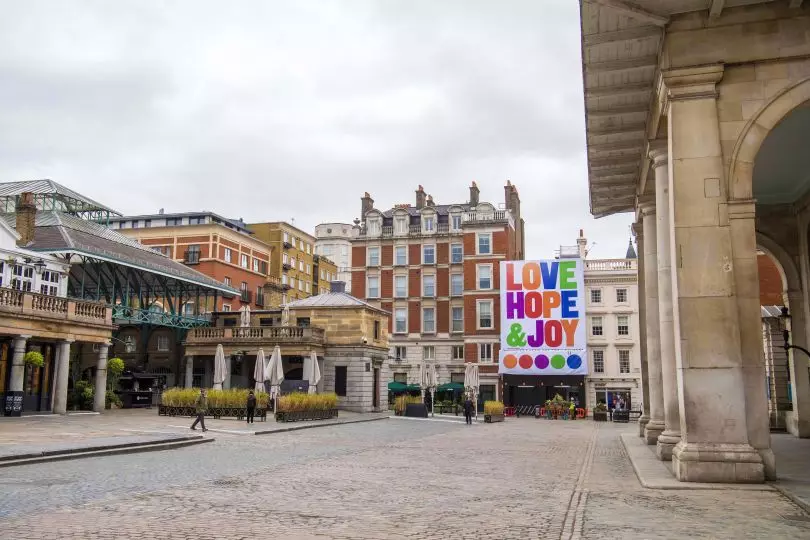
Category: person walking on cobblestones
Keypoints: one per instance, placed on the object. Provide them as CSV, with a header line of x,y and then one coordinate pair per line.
x,y
251,407
202,408
468,410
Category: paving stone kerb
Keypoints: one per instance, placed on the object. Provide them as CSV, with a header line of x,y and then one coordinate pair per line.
x,y
297,426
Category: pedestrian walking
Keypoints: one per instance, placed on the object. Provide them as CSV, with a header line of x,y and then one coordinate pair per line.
x,y
573,412
202,408
251,407
468,410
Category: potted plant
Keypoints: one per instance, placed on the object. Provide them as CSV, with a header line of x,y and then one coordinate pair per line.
x,y
600,412
493,412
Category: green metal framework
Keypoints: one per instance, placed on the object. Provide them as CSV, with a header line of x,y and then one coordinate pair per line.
x,y
62,203
140,297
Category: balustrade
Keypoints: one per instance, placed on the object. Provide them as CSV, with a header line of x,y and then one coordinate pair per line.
x,y
53,307
611,264
280,334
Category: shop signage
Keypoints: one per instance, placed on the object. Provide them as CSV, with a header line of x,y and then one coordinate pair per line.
x,y
543,318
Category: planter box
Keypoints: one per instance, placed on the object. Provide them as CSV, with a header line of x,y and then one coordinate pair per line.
x,y
216,412
600,416
491,418
298,416
621,416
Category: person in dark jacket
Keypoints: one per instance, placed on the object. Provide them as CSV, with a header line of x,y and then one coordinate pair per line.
x,y
468,410
251,407
201,408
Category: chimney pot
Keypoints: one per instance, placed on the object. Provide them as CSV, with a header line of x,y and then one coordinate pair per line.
x,y
420,197
474,193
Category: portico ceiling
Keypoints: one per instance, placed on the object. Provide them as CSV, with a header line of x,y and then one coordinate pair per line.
x,y
621,43
782,166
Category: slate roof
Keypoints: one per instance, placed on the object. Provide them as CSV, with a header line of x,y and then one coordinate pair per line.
x,y
631,251
57,232
49,187
332,299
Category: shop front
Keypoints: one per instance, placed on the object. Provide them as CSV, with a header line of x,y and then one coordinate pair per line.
x,y
525,392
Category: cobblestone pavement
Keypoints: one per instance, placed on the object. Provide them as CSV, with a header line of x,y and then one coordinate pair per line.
x,y
522,479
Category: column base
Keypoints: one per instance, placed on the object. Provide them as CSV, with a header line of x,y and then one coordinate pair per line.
x,y
666,444
643,420
717,463
652,431
769,462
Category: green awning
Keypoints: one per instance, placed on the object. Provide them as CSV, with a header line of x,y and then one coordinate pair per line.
x,y
446,387
395,386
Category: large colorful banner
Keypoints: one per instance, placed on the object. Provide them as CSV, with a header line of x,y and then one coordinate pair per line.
x,y
543,318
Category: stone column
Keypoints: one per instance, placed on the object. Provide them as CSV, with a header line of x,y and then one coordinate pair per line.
x,y
672,429
642,317
100,392
61,377
228,362
798,420
712,387
189,371
655,425
17,381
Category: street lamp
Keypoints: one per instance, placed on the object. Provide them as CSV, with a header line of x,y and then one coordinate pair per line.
x,y
783,324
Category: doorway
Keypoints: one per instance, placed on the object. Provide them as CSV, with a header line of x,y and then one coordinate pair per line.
x,y
375,392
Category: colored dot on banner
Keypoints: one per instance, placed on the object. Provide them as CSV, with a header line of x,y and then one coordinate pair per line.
x,y
574,361
526,361
558,361
509,361
541,361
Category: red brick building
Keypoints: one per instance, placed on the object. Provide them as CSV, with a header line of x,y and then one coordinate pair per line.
x,y
436,269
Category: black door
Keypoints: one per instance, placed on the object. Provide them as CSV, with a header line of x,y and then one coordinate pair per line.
x,y
375,393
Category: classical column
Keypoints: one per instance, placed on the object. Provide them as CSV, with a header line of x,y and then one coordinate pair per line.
x,y
798,420
642,317
228,363
655,425
61,376
100,392
189,371
672,428
17,381
712,385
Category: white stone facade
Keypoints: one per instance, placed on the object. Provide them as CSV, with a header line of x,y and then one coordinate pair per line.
x,y
333,241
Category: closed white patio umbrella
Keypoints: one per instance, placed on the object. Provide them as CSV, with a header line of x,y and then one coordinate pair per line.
x,y
313,372
471,383
259,370
275,374
219,368
432,382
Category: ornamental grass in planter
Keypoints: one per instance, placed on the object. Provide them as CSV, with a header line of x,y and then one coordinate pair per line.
x,y
222,402
401,403
493,411
301,406
600,413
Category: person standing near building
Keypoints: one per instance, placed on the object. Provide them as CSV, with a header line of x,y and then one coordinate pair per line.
x,y
201,408
573,410
251,407
468,410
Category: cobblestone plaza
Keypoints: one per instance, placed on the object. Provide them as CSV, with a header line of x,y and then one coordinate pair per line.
x,y
393,478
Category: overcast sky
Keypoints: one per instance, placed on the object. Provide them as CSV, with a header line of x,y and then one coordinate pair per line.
x,y
271,110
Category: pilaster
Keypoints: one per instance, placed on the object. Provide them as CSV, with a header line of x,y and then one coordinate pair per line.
x,y
189,371
61,376
16,380
638,232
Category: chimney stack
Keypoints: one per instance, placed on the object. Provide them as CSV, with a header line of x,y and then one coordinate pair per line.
x,y
420,197
582,244
474,192
366,205
26,213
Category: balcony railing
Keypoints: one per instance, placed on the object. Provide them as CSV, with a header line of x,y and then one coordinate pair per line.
x,y
271,335
498,216
159,318
611,265
246,296
54,307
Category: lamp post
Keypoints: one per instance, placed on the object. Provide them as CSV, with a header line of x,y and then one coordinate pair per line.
x,y
783,323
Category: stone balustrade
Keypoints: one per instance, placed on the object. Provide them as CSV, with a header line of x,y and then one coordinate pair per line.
x,y
53,307
611,265
255,334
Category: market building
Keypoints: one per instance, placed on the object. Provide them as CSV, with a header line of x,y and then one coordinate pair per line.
x,y
696,119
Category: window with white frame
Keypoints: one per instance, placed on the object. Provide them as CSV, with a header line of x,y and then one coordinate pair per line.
x,y
284,279
598,360
428,254
228,255
455,222
292,282
401,286
596,326
401,255
285,259
484,277
428,320
624,361
244,261
429,352
373,227
456,284
458,319
401,353
323,274
309,268
401,225
300,284
458,352
484,314
484,243
621,296
163,343
292,262
428,222
456,253
227,280
485,353
287,237
373,287
22,277
300,265
429,286
374,256
623,325
596,296
400,321
308,287
49,283
255,265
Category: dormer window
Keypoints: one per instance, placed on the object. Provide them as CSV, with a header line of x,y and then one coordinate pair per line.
x,y
374,226
401,225
455,222
428,223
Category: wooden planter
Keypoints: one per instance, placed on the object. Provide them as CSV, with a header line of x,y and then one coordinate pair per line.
x,y
600,416
299,416
491,418
621,416
216,412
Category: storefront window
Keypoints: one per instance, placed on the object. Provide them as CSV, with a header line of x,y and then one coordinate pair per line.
x,y
611,397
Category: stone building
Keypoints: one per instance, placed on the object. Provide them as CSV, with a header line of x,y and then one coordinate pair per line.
x,y
436,269
348,335
334,241
698,117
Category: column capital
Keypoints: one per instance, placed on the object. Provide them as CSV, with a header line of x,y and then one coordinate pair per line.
x,y
638,229
68,340
695,82
741,209
658,150
646,208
